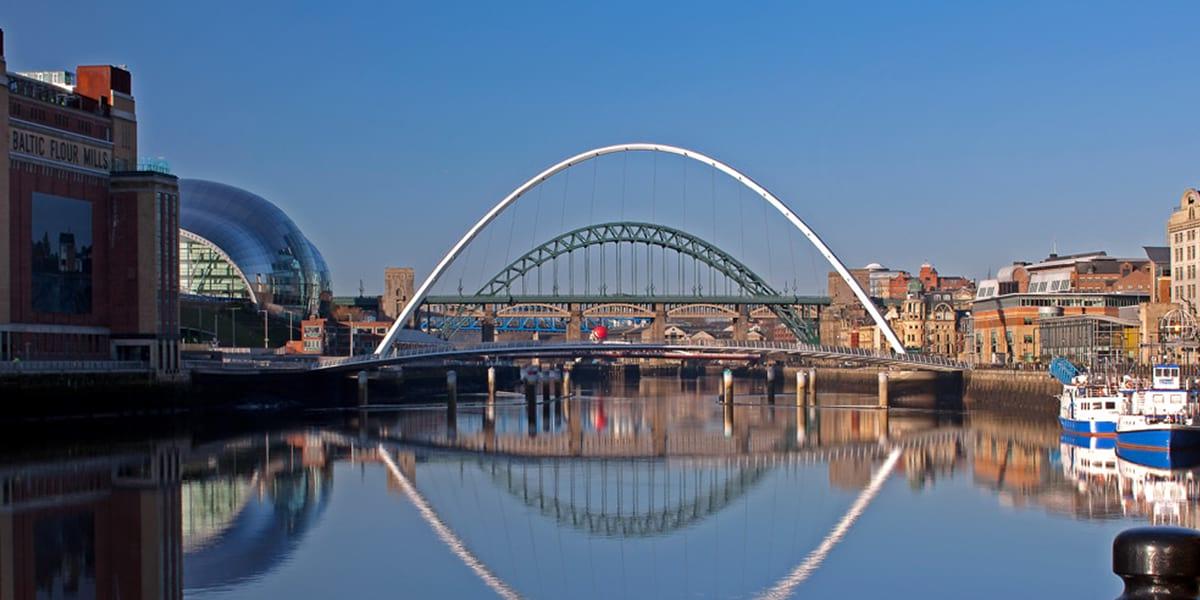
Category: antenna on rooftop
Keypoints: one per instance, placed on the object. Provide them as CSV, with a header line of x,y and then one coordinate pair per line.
x,y
360,288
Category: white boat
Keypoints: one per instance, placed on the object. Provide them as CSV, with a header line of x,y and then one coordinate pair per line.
x,y
1085,408
1160,419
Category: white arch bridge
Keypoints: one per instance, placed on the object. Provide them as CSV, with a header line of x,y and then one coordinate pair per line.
x,y
709,350
388,346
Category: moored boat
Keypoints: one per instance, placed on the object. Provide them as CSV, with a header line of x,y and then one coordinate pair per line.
x,y
1086,406
1162,418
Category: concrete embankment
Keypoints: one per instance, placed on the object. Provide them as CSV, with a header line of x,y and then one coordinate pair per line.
x,y
1025,392
1021,392
65,394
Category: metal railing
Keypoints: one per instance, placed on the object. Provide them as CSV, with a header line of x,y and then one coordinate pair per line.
x,y
819,351
74,366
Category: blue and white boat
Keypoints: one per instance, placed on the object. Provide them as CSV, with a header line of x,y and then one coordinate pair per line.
x,y
1086,406
1162,418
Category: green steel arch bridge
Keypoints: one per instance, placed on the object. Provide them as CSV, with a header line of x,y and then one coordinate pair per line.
x,y
550,288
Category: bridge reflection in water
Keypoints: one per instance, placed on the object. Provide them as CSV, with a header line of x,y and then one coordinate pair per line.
x,y
646,495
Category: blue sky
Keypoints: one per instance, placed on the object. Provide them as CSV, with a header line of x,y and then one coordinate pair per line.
x,y
968,134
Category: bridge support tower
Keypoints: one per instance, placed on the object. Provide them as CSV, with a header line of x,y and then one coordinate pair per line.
x,y
487,325
658,329
574,331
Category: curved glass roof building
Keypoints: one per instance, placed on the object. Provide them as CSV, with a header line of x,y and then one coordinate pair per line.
x,y
235,244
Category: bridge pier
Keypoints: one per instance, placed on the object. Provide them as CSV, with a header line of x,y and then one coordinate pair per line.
x,y
812,385
771,383
489,425
727,414
727,387
574,323
362,388
487,325
530,401
575,432
658,329
801,387
801,423
883,390
741,323
452,403
491,385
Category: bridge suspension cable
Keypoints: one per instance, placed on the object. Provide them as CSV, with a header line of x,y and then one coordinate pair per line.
x,y
419,296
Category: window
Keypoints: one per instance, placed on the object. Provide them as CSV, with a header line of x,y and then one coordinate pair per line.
x,y
1029,320
1110,405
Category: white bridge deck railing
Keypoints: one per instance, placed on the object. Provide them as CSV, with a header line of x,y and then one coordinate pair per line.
x,y
74,366
436,350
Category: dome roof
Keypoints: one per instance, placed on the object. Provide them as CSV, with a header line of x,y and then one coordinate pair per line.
x,y
875,267
259,238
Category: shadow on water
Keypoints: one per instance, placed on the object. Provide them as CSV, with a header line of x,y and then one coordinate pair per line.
x,y
206,508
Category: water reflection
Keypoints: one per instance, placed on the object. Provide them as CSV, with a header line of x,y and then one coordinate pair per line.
x,y
645,491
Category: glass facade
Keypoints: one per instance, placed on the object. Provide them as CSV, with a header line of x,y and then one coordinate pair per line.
x,y
237,234
206,271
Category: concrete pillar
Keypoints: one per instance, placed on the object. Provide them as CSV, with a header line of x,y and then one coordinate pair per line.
x,y
487,325
451,390
566,383
491,385
727,387
362,388
801,387
727,413
575,432
771,384
741,323
883,389
489,425
530,391
658,329
801,423
574,322
812,384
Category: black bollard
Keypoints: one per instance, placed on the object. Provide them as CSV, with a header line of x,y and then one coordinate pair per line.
x,y
1158,562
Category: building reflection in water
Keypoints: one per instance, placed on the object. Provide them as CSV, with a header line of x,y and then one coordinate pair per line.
x,y
150,520
96,527
156,519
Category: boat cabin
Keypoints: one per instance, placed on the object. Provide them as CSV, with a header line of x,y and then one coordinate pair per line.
x,y
1166,377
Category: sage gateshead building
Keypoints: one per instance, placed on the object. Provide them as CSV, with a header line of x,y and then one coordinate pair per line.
x,y
237,246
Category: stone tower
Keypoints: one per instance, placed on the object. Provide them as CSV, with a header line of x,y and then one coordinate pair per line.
x,y
397,289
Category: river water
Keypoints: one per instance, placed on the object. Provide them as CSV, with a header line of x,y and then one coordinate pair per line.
x,y
648,490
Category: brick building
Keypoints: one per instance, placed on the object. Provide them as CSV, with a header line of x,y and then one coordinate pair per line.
x,y
88,243
925,311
